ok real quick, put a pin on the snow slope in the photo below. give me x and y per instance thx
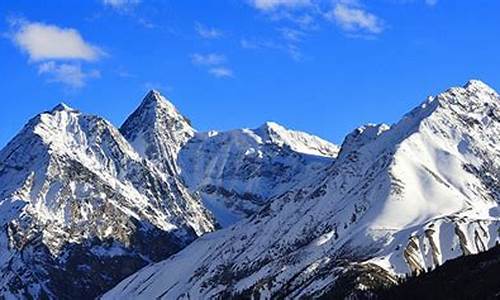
(80, 209)
(397, 200)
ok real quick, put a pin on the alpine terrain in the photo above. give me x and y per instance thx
(83, 204)
(80, 209)
(396, 200)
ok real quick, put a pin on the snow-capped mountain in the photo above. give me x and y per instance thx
(80, 209)
(238, 171)
(397, 199)
(235, 172)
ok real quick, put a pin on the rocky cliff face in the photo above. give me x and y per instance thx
(397, 200)
(80, 209)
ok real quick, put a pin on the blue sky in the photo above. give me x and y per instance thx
(324, 67)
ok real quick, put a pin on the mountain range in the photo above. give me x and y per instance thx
(396, 200)
(155, 209)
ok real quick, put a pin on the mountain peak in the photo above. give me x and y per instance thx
(297, 140)
(157, 130)
(154, 92)
(156, 100)
(62, 107)
(153, 95)
(478, 85)
(270, 125)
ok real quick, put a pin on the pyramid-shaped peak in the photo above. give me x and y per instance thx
(155, 107)
(155, 102)
(157, 130)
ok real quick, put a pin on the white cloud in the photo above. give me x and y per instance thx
(268, 5)
(221, 72)
(68, 74)
(121, 4)
(44, 42)
(206, 32)
(208, 59)
(354, 19)
(47, 44)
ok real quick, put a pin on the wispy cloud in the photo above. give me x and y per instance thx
(122, 5)
(289, 41)
(292, 42)
(207, 32)
(296, 20)
(431, 2)
(214, 62)
(293, 21)
(268, 5)
(123, 73)
(129, 8)
(42, 41)
(355, 19)
(208, 59)
(291, 34)
(146, 23)
(71, 75)
(292, 49)
(58, 52)
(221, 72)
(253, 43)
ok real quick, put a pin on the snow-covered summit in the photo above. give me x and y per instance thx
(61, 107)
(298, 141)
(157, 131)
(397, 200)
(479, 86)
(156, 101)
